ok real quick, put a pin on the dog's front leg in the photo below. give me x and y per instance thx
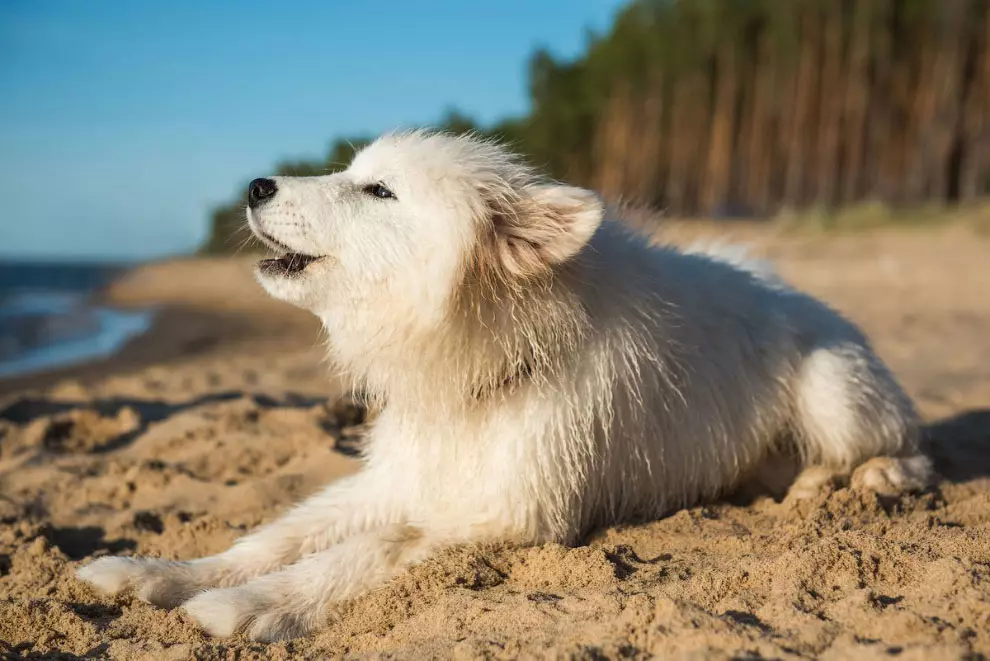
(348, 507)
(295, 600)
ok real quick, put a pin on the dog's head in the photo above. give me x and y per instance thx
(413, 219)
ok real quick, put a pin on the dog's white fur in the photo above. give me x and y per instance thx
(542, 371)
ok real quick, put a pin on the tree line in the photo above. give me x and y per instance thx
(749, 107)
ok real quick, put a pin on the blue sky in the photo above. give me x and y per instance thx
(123, 122)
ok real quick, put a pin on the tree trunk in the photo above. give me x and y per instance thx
(974, 169)
(646, 144)
(715, 193)
(611, 142)
(880, 112)
(954, 42)
(830, 106)
(680, 156)
(920, 102)
(856, 102)
(803, 112)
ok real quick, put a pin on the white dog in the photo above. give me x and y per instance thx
(542, 371)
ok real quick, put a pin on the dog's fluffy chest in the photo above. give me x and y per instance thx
(499, 464)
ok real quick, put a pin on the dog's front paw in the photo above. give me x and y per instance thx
(276, 626)
(111, 575)
(164, 583)
(266, 615)
(222, 612)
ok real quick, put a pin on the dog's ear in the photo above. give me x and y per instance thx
(544, 226)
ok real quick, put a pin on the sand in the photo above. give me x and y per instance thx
(224, 415)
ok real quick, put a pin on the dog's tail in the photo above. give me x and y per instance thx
(737, 256)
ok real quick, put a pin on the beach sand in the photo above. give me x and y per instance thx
(225, 414)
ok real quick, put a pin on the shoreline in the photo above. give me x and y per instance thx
(194, 314)
(173, 332)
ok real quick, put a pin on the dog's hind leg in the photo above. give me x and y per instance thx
(853, 419)
(348, 507)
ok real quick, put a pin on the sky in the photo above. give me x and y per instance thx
(122, 123)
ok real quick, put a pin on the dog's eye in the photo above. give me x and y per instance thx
(379, 191)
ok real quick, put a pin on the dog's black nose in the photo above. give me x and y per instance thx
(260, 190)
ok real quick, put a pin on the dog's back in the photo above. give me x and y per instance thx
(701, 365)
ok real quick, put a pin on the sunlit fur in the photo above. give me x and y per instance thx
(542, 372)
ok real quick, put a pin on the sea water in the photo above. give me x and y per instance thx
(49, 316)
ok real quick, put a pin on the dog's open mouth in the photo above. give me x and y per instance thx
(291, 263)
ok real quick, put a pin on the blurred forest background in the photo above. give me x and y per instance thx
(750, 108)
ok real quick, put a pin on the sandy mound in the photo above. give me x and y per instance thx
(179, 458)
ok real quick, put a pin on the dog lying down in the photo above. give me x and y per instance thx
(542, 372)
